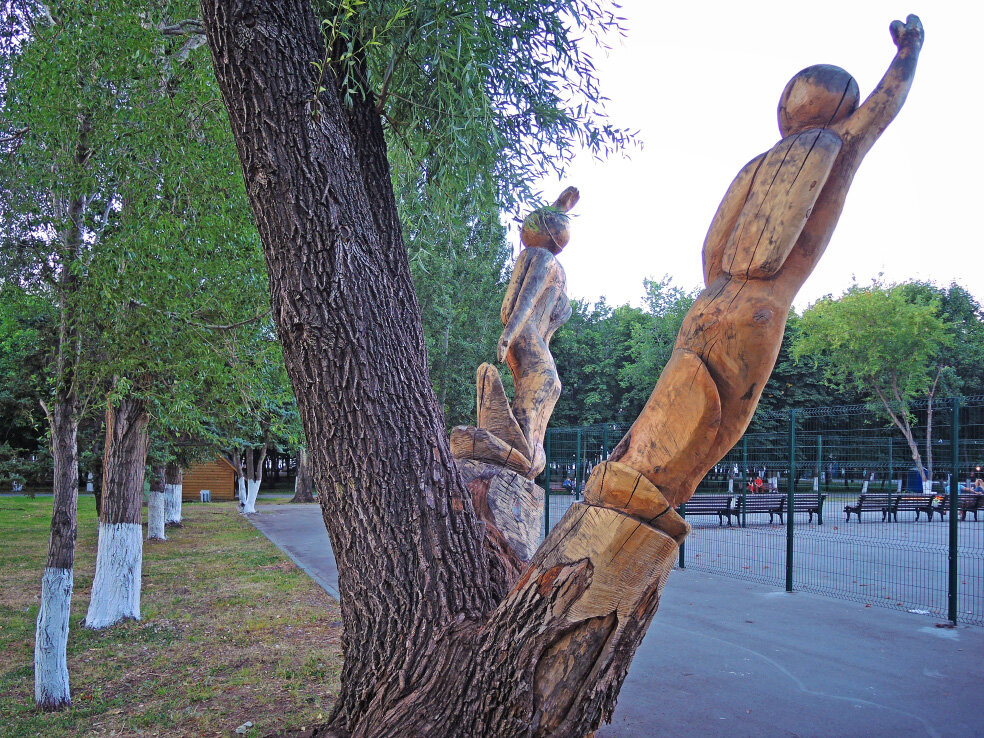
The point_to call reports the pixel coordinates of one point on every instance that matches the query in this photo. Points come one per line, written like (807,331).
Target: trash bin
(913,481)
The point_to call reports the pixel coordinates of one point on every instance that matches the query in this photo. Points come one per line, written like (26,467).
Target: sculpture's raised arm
(868,122)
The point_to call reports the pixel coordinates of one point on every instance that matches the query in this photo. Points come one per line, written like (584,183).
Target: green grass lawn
(232,631)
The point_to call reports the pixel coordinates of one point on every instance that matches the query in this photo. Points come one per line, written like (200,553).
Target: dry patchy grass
(232,631)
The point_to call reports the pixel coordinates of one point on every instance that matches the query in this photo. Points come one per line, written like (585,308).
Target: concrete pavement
(299,532)
(726,657)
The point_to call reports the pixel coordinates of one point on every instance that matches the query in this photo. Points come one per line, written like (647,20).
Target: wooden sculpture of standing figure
(509,435)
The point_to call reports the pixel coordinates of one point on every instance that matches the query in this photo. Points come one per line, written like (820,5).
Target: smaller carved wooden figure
(535,306)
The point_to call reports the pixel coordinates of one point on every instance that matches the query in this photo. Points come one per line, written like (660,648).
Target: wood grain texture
(494,412)
(507,501)
(468,442)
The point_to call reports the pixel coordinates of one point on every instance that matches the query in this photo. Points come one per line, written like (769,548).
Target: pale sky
(701,81)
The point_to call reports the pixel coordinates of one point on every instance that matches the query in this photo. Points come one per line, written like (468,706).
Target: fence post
(578,462)
(819,458)
(744,479)
(891,470)
(790,495)
(683,561)
(954,508)
(546,484)
(604,442)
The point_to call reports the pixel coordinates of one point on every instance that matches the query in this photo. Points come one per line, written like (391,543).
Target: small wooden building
(217,476)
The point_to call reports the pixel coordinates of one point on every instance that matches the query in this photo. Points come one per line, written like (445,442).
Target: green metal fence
(925,560)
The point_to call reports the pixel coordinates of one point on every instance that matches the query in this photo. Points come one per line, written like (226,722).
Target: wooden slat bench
(775,505)
(719,505)
(970,502)
(869,503)
(918,503)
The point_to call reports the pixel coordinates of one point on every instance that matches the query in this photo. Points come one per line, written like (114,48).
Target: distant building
(218,476)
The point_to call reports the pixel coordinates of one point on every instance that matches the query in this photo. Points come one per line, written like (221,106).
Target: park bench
(918,503)
(775,505)
(869,503)
(970,502)
(966,502)
(719,505)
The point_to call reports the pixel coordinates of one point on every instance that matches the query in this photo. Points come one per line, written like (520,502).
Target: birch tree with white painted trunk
(156,505)
(51,198)
(119,555)
(173,475)
(253,476)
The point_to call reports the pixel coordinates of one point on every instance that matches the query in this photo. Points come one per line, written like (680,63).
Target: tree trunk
(428,648)
(303,483)
(155,505)
(173,474)
(119,555)
(254,476)
(51,689)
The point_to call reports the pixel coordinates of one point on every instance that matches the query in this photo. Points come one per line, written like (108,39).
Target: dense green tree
(591,350)
(964,319)
(652,340)
(885,342)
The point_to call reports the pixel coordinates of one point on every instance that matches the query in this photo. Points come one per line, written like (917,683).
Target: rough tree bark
(303,482)
(435,642)
(173,474)
(119,555)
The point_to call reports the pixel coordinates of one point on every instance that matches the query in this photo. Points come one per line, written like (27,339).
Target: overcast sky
(701,81)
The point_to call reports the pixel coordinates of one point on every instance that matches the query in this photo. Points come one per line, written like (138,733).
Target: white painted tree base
(51,690)
(155,516)
(241,487)
(172,504)
(252,490)
(116,585)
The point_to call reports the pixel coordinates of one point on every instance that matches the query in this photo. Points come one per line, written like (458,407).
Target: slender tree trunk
(901,421)
(303,483)
(929,426)
(254,476)
(173,474)
(442,393)
(51,689)
(119,556)
(156,503)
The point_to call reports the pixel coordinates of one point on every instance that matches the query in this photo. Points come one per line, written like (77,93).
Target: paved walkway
(725,657)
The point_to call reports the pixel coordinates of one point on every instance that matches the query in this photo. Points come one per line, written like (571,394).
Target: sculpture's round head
(817,97)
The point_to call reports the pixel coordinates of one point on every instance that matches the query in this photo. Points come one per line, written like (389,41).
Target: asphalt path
(730,657)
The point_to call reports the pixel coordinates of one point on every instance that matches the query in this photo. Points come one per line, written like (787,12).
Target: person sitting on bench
(977,488)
